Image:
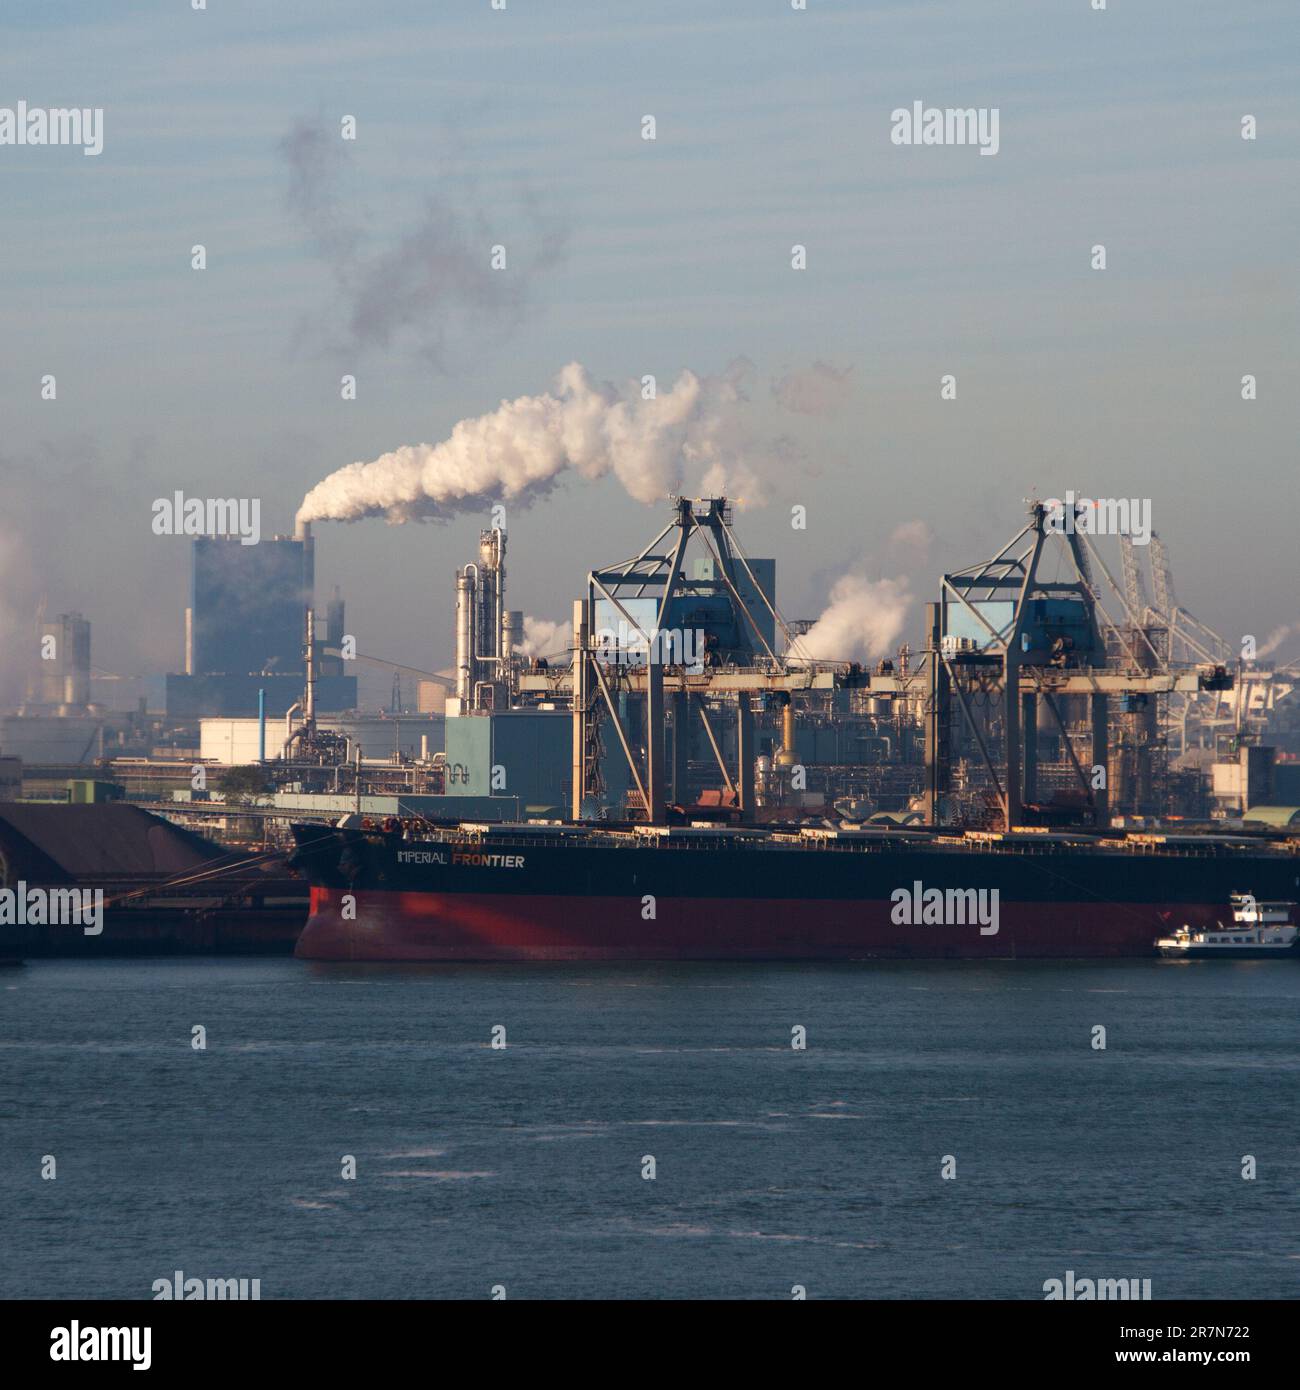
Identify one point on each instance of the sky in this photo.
(522, 127)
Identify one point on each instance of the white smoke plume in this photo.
(863, 621)
(520, 451)
(1275, 639)
(542, 638)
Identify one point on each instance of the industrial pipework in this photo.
(486, 632)
(466, 590)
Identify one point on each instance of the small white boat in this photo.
(1257, 930)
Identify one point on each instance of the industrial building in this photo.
(686, 695)
(244, 631)
(238, 742)
(246, 604)
(61, 685)
(520, 753)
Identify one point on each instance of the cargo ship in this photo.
(412, 891)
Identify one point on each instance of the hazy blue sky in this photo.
(522, 127)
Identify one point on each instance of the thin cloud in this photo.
(817, 390)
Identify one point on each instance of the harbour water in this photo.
(521, 1167)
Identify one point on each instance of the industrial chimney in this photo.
(309, 704)
(466, 593)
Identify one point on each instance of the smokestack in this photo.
(309, 704)
(302, 532)
(465, 626)
(499, 616)
(512, 632)
(487, 635)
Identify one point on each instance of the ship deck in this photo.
(806, 839)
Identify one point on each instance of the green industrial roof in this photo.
(1274, 815)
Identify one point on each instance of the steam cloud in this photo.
(863, 621)
(541, 637)
(519, 451)
(1275, 639)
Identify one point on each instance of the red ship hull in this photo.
(427, 926)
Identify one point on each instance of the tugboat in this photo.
(1258, 930)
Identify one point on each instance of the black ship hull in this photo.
(521, 893)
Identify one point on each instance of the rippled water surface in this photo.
(774, 1167)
